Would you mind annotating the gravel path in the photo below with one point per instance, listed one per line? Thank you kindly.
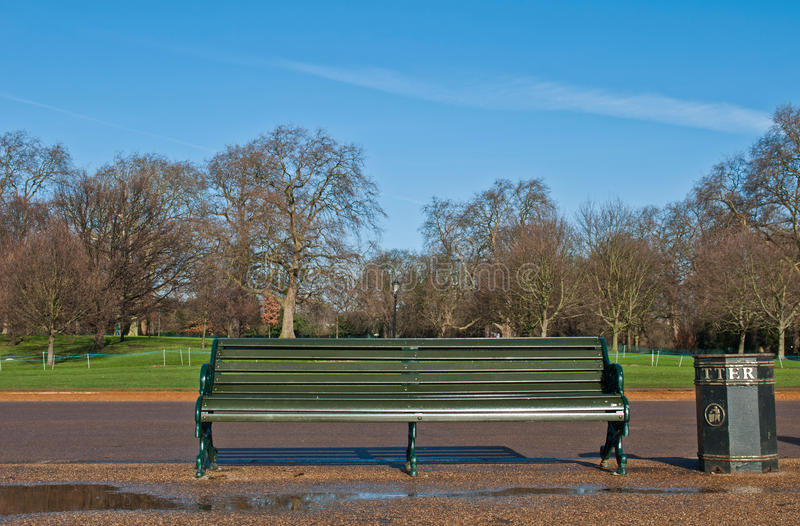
(653, 493)
(350, 474)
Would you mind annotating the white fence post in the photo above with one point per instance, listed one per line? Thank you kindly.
(190, 356)
(164, 351)
(44, 365)
(88, 365)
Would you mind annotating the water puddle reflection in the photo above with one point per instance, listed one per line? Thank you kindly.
(48, 498)
(41, 498)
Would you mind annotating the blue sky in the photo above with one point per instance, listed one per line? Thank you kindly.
(599, 99)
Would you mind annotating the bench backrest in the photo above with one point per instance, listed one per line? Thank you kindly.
(424, 367)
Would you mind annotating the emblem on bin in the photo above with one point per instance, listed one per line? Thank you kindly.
(715, 415)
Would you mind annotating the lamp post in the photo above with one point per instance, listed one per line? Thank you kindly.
(395, 289)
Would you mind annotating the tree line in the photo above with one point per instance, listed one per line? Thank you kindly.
(277, 237)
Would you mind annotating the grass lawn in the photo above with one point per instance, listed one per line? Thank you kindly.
(672, 372)
(138, 363)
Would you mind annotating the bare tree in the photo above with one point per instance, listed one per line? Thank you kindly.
(449, 270)
(304, 200)
(136, 218)
(722, 283)
(621, 267)
(775, 286)
(47, 279)
(543, 276)
(26, 165)
(772, 185)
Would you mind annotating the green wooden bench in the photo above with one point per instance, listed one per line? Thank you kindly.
(411, 380)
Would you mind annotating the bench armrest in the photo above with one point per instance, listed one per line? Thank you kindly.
(613, 381)
(206, 378)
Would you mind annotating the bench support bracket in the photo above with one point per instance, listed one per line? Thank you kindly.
(207, 458)
(616, 430)
(411, 452)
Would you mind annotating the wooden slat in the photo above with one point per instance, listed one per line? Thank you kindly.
(454, 389)
(405, 416)
(511, 353)
(383, 343)
(414, 404)
(352, 378)
(363, 367)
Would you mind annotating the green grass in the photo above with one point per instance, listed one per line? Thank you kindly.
(672, 372)
(138, 363)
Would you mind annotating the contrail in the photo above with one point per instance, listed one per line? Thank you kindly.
(102, 122)
(522, 93)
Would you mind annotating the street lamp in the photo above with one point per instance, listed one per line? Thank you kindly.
(395, 289)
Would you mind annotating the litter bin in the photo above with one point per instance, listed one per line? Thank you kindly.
(735, 398)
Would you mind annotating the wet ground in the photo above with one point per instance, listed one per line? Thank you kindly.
(567, 491)
(131, 463)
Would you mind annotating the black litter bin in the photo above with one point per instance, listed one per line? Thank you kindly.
(735, 397)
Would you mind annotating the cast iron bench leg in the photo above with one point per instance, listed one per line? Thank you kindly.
(207, 458)
(616, 431)
(411, 452)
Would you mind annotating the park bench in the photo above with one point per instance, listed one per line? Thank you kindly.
(411, 380)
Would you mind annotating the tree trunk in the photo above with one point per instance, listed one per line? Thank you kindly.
(781, 341)
(50, 341)
(123, 329)
(545, 323)
(287, 329)
(99, 339)
(614, 337)
(675, 326)
(203, 339)
(742, 336)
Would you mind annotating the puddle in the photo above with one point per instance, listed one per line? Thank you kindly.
(48, 498)
(318, 500)
(41, 498)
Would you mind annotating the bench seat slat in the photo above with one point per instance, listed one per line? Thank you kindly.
(441, 343)
(519, 416)
(411, 378)
(593, 387)
(318, 366)
(411, 404)
(379, 353)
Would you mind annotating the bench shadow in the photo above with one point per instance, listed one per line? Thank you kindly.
(678, 462)
(390, 456)
(789, 440)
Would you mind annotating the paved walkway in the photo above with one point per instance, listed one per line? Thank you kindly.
(164, 432)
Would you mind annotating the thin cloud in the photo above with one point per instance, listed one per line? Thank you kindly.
(519, 94)
(530, 94)
(81, 116)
